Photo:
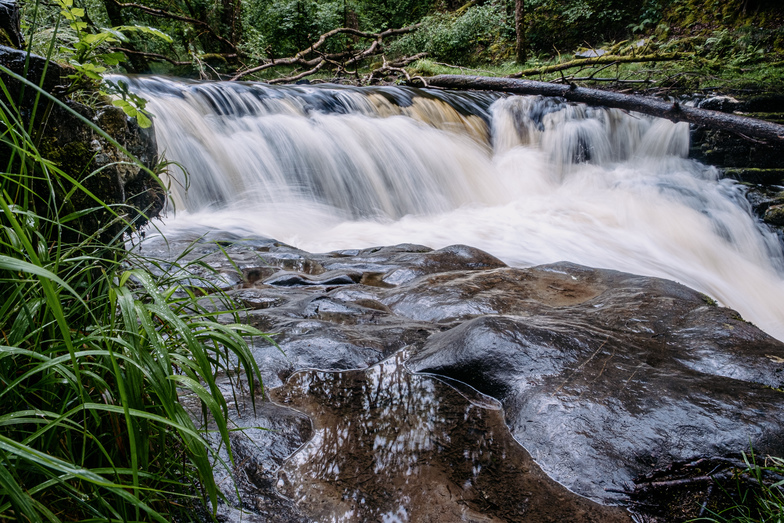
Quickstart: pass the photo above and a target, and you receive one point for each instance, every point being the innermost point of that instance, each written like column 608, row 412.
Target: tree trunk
column 136, row 63
column 742, row 125
column 521, row 42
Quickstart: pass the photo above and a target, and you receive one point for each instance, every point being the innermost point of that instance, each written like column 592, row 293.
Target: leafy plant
column 89, row 57
column 96, row 351
column 455, row 38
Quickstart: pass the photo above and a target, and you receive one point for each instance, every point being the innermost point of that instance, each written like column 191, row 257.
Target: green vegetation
column 758, row 495
column 98, row 345
column 725, row 44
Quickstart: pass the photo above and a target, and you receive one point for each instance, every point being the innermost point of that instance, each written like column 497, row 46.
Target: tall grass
column 95, row 352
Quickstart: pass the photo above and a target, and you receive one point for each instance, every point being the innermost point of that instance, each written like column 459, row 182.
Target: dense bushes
column 461, row 38
column 567, row 24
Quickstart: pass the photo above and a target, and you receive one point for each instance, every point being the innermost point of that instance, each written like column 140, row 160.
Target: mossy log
column 601, row 60
column 750, row 128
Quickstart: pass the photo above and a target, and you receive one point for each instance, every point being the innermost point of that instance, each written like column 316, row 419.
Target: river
column 527, row 179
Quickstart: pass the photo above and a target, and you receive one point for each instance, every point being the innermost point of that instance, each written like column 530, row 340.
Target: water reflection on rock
column 389, row 445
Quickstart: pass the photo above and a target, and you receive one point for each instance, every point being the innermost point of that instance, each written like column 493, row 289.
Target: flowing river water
column 527, row 179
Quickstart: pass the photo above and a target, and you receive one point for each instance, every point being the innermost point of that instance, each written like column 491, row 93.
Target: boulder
column 10, row 32
column 118, row 175
column 625, row 375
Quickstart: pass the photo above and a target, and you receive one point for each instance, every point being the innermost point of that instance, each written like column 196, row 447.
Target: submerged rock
column 600, row 377
column 392, row 446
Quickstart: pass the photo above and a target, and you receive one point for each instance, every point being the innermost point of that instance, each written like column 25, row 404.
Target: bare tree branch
column 316, row 63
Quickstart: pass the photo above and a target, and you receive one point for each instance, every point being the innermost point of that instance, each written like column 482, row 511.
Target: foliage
column 89, row 57
column 377, row 15
column 95, row 354
column 460, row 39
column 287, row 26
column 567, row 24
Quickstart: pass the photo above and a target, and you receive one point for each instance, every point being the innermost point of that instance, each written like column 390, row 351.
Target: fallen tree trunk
column 600, row 60
column 742, row 125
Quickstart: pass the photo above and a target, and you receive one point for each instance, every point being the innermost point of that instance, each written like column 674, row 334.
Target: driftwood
column 341, row 59
column 600, row 60
column 742, row 125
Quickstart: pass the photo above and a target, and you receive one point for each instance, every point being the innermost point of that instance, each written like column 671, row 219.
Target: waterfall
column 528, row 179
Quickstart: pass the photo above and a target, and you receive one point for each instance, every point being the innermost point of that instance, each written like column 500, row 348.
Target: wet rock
column 725, row 104
column 391, row 446
column 602, row 376
column 752, row 175
column 271, row 433
column 330, row 278
column 775, row 215
column 16, row 60
column 10, row 32
column 642, row 374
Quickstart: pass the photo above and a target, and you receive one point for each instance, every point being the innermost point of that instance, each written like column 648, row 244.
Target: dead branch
column 301, row 58
column 394, row 67
column 600, row 60
column 289, row 79
column 771, row 133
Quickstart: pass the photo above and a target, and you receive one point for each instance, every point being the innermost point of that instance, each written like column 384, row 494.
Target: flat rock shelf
column 413, row 384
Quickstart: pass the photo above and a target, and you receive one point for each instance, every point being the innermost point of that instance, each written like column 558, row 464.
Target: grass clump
column 758, row 496
column 95, row 351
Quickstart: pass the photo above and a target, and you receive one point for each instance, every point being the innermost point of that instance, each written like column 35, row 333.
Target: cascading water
column 527, row 179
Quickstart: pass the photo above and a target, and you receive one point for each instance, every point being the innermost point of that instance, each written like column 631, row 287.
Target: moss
column 5, row 39
column 710, row 301
column 775, row 215
column 73, row 157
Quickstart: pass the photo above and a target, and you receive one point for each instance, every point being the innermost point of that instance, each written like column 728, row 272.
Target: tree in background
column 520, row 43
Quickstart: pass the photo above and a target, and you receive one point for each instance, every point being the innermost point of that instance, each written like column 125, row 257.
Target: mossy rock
column 118, row 188
column 775, row 215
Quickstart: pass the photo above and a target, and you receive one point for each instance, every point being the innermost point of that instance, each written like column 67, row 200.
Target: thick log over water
column 743, row 125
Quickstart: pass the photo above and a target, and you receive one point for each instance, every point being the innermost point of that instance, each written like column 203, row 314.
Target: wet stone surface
column 392, row 446
column 587, row 379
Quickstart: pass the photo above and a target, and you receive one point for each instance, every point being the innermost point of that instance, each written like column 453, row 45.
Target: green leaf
column 142, row 120
column 145, row 29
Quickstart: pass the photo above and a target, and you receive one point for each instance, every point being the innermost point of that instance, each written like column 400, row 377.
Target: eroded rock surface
column 602, row 377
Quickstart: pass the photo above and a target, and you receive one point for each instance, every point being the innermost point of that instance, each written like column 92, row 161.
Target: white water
column 334, row 168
